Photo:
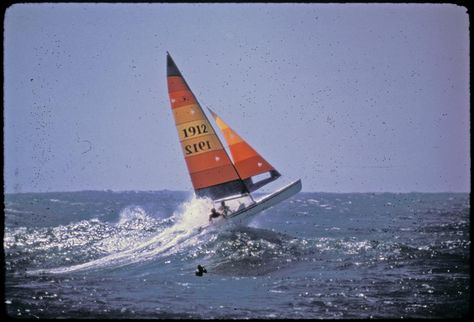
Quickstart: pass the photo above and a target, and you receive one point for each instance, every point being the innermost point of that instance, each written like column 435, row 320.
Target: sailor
column 224, row 209
column 214, row 214
column 200, row 270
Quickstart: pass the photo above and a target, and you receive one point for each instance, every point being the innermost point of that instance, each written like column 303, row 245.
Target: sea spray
column 186, row 221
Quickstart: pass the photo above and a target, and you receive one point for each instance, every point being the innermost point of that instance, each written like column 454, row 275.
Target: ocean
column 105, row 254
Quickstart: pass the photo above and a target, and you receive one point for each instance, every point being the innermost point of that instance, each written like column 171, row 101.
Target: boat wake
column 183, row 232
column 141, row 236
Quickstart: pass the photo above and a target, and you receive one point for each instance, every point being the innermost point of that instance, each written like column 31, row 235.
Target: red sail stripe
column 252, row 166
column 214, row 176
column 176, row 83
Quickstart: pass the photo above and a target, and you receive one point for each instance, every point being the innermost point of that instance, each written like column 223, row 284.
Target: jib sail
column 247, row 161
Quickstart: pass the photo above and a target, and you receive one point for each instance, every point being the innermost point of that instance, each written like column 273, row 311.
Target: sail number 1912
column 194, row 130
column 197, row 147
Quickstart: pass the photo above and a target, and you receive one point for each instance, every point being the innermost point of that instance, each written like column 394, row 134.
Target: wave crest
column 129, row 240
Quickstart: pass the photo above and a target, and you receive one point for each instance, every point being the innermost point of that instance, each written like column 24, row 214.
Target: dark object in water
column 200, row 270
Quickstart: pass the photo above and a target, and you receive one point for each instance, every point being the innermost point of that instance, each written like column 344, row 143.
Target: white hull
column 243, row 217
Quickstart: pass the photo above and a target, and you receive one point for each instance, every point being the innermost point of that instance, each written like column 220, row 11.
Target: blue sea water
column 104, row 254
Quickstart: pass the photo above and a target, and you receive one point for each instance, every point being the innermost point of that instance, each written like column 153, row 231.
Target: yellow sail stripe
column 187, row 113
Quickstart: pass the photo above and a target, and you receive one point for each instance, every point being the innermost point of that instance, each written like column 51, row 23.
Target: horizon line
column 262, row 192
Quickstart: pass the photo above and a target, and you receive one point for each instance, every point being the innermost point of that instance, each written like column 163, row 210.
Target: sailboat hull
column 243, row 217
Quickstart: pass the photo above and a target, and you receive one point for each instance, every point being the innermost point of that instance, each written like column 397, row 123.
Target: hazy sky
column 347, row 97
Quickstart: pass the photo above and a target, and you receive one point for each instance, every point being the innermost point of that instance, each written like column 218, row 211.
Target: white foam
column 189, row 217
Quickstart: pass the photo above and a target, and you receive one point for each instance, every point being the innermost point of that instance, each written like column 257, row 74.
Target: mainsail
column 212, row 172
column 247, row 161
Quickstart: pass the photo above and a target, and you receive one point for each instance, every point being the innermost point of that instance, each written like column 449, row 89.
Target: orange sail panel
column 208, row 163
column 247, row 161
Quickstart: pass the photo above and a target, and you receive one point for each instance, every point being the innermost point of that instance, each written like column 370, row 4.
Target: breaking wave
column 135, row 237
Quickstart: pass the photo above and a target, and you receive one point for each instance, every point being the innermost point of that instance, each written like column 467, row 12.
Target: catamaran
column 213, row 173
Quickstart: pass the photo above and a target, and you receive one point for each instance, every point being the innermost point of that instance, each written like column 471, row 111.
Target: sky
column 347, row 97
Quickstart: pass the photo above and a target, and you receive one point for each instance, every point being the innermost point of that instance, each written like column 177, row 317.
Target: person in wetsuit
column 200, row 270
column 214, row 214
